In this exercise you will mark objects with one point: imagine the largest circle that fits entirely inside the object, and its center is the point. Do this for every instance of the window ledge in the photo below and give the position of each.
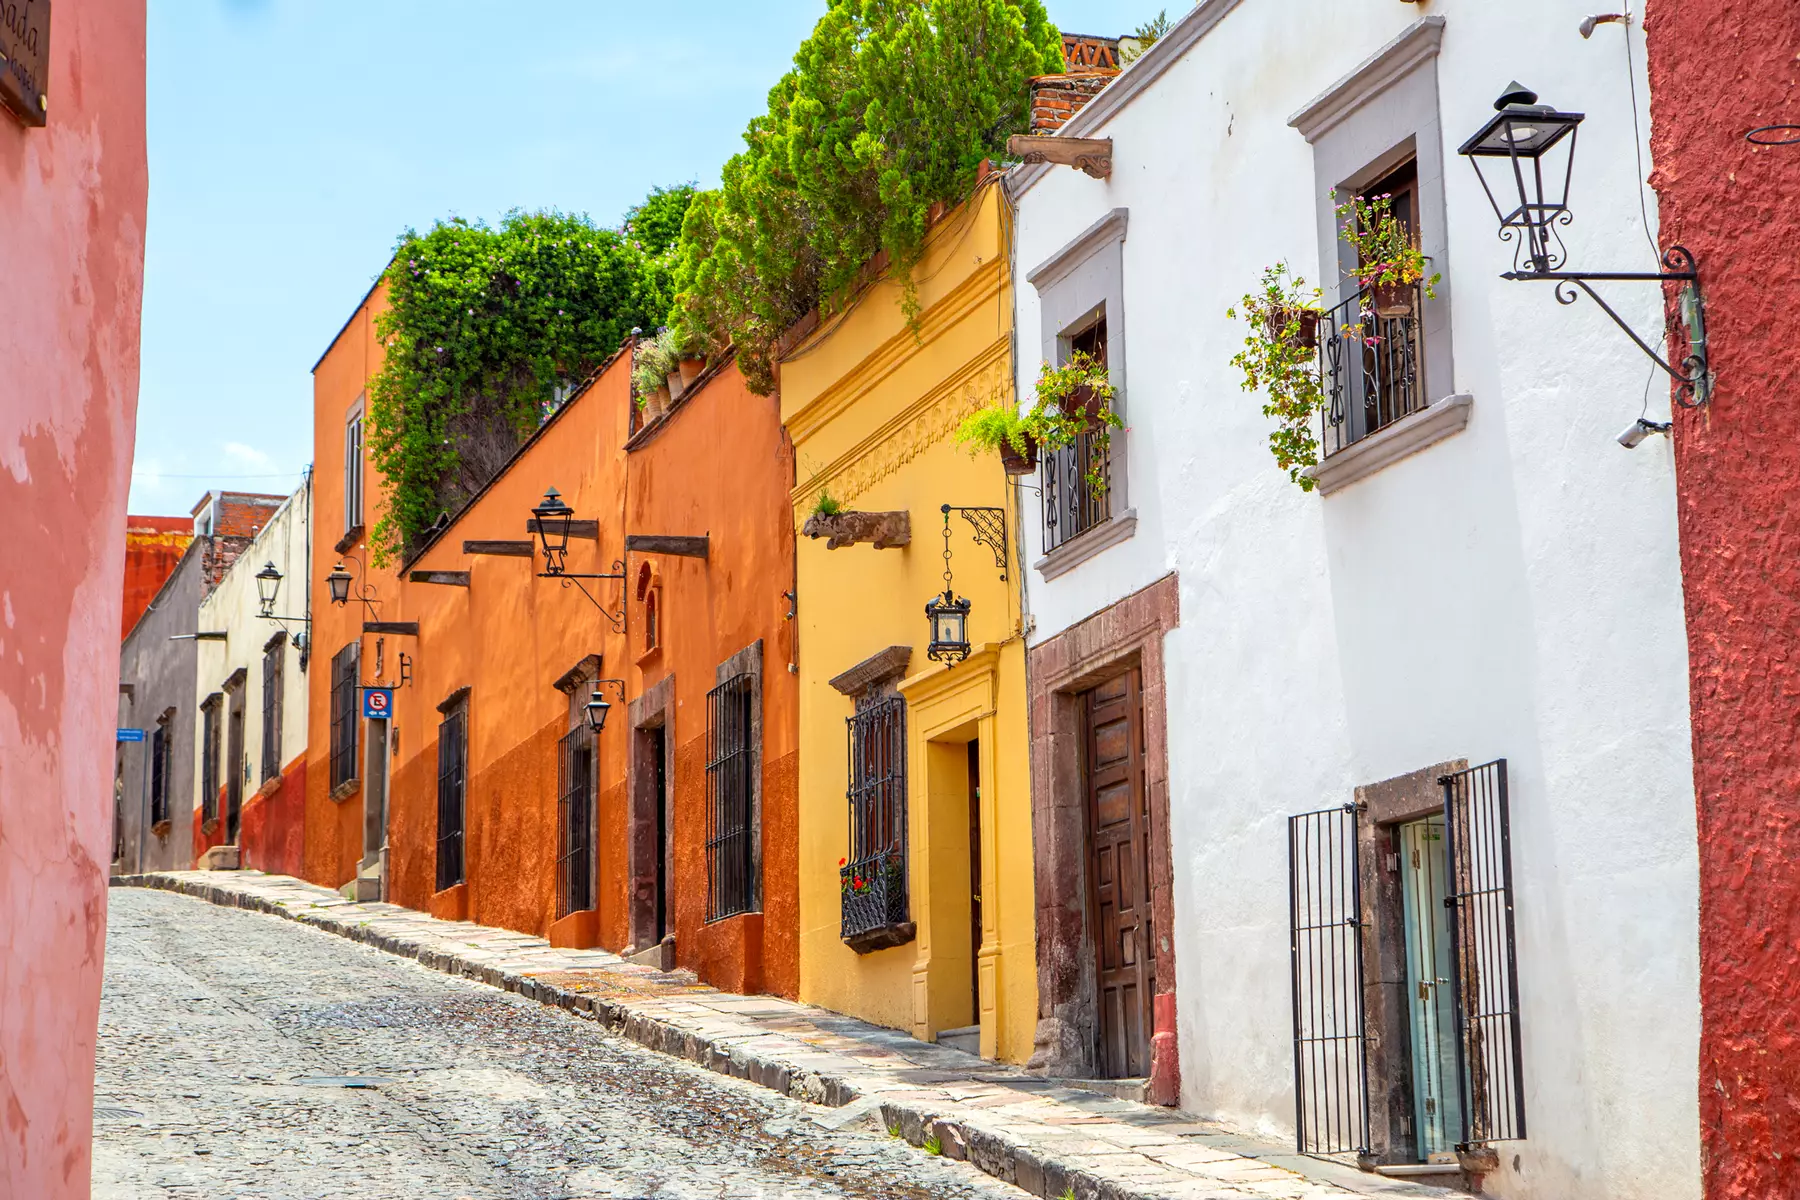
(1405, 437)
(350, 538)
(346, 789)
(1086, 545)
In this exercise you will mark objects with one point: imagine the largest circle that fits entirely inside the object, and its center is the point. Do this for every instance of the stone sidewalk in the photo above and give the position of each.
(1051, 1140)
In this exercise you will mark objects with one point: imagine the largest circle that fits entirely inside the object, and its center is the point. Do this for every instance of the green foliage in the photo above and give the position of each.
(889, 108)
(1148, 34)
(657, 359)
(934, 1144)
(655, 225)
(1074, 399)
(485, 325)
(1386, 251)
(827, 505)
(1275, 359)
(992, 428)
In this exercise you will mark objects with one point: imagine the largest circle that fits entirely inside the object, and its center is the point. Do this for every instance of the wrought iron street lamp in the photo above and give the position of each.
(339, 583)
(554, 522)
(597, 707)
(1530, 152)
(947, 615)
(268, 586)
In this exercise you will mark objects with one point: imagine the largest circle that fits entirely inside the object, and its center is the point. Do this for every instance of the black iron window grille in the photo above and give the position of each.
(452, 765)
(1479, 846)
(271, 708)
(236, 765)
(1372, 359)
(873, 879)
(1331, 1073)
(345, 669)
(730, 798)
(1328, 944)
(160, 742)
(1072, 505)
(209, 760)
(575, 822)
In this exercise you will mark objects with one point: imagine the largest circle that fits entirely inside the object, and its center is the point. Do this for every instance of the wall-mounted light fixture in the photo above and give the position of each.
(553, 521)
(339, 582)
(268, 587)
(947, 615)
(1531, 147)
(596, 708)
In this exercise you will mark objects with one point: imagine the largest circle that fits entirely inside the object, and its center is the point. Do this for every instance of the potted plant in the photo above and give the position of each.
(1284, 367)
(1000, 429)
(1390, 264)
(1073, 400)
(652, 365)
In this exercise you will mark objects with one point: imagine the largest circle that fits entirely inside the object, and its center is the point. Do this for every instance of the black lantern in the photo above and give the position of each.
(339, 583)
(553, 521)
(948, 616)
(1525, 134)
(597, 708)
(268, 584)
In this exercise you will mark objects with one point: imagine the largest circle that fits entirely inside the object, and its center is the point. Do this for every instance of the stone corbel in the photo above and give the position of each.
(881, 530)
(1092, 156)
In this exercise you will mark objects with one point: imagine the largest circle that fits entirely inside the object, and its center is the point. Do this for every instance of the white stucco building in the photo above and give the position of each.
(1484, 574)
(250, 698)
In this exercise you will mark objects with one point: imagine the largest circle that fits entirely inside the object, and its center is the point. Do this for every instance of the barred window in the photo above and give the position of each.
(160, 746)
(730, 798)
(575, 821)
(345, 668)
(452, 764)
(873, 881)
(209, 757)
(1077, 479)
(271, 706)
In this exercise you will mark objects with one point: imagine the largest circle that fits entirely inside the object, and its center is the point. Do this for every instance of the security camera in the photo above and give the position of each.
(1640, 429)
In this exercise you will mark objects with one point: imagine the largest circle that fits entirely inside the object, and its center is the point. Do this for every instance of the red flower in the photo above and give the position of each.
(841, 862)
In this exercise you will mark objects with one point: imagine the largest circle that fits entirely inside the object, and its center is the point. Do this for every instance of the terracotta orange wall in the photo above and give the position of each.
(72, 207)
(153, 547)
(720, 465)
(333, 840)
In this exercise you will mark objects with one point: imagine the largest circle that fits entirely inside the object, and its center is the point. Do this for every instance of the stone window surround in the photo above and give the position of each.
(654, 709)
(1382, 113)
(1079, 284)
(1127, 634)
(1387, 1028)
(749, 661)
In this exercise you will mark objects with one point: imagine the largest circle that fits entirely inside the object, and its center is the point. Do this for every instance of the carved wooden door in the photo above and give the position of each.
(1118, 874)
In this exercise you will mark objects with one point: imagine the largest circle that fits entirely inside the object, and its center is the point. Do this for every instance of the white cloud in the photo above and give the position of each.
(248, 456)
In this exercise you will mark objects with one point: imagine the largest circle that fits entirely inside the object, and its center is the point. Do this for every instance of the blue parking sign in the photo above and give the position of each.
(378, 703)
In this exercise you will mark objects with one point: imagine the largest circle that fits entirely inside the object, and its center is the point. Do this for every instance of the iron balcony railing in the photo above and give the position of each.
(1072, 506)
(1371, 358)
(874, 891)
(873, 881)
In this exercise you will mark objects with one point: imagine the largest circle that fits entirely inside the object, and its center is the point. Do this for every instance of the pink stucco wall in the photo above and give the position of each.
(72, 198)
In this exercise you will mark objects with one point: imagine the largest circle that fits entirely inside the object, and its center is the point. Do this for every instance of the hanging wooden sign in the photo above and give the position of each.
(25, 59)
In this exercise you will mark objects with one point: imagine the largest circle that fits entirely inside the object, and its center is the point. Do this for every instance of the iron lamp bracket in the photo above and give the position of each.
(989, 525)
(571, 579)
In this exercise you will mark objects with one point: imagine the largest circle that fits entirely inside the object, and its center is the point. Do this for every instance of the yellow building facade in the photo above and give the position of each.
(912, 770)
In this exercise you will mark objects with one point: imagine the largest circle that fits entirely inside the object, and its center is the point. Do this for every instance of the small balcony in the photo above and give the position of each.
(1371, 358)
(874, 902)
(1072, 504)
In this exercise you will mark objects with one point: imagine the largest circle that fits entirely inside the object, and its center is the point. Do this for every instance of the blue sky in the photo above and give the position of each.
(291, 142)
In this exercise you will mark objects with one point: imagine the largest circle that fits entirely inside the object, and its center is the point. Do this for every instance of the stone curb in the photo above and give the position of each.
(999, 1154)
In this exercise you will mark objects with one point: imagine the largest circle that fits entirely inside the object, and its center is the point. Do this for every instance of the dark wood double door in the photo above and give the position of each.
(1118, 873)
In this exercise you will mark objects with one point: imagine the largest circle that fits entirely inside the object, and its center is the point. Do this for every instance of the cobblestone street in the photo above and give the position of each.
(228, 1041)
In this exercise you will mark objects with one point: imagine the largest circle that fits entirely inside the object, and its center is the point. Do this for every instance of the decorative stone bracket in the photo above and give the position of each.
(881, 530)
(1092, 156)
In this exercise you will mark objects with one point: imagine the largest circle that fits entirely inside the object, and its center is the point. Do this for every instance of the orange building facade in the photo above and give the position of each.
(153, 547)
(487, 796)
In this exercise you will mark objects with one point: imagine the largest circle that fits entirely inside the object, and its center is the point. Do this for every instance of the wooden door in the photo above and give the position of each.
(1118, 874)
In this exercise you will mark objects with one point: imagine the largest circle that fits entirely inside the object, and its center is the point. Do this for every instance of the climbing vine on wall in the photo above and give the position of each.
(890, 107)
(488, 329)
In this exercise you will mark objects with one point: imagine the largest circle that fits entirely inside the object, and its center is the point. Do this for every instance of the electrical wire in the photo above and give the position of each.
(1637, 140)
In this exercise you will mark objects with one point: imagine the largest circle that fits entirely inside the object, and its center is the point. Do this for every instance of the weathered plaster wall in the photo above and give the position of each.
(161, 674)
(153, 545)
(1514, 590)
(1716, 71)
(72, 199)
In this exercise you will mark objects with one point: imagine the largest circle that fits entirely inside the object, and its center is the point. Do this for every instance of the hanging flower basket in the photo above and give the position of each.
(1392, 300)
(1303, 321)
(1016, 461)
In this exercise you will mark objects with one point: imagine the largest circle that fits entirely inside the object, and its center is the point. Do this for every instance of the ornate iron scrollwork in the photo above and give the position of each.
(990, 530)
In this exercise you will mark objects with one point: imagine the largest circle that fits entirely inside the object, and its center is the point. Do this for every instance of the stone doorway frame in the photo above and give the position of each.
(655, 709)
(1127, 634)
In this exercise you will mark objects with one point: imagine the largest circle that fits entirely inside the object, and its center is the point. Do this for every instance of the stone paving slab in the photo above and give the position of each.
(1048, 1139)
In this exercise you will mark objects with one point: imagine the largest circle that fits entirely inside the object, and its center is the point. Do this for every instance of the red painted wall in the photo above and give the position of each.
(153, 547)
(72, 204)
(1717, 69)
(272, 827)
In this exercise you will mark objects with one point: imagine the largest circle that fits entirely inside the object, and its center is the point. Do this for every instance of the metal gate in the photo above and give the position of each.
(1490, 1076)
(1331, 1074)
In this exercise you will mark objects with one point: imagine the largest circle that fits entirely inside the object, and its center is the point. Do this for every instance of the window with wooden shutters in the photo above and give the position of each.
(271, 706)
(1331, 1082)
(452, 769)
(344, 671)
(730, 798)
(1492, 1079)
(575, 821)
(873, 881)
(209, 758)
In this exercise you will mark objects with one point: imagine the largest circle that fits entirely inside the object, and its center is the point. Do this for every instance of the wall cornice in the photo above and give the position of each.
(1374, 75)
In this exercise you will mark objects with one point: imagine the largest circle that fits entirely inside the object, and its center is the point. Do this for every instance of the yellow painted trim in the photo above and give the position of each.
(945, 698)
